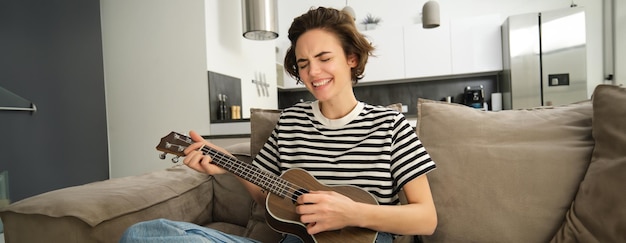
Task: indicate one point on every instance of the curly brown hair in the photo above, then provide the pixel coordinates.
(334, 21)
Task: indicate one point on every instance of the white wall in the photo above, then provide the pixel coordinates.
(620, 41)
(231, 54)
(155, 76)
(408, 12)
(156, 57)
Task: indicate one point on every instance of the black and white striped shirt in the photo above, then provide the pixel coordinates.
(373, 147)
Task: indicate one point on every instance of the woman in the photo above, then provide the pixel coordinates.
(338, 140)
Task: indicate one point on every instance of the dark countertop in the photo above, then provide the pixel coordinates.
(226, 136)
(230, 121)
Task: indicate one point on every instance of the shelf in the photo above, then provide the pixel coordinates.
(10, 101)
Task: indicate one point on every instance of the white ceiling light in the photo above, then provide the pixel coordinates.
(349, 10)
(430, 15)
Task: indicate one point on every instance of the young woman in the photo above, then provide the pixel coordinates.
(337, 139)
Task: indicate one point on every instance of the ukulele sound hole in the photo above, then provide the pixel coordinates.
(298, 193)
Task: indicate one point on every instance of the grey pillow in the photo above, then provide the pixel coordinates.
(505, 176)
(598, 213)
(262, 123)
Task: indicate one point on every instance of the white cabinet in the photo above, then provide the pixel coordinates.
(476, 44)
(460, 46)
(285, 81)
(427, 51)
(387, 62)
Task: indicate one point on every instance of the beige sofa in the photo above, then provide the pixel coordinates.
(550, 174)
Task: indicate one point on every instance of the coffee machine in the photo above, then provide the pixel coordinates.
(474, 96)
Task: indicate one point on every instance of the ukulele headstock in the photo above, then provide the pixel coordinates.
(174, 143)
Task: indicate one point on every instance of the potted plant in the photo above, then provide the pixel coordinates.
(370, 21)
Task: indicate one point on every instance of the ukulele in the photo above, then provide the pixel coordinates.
(284, 190)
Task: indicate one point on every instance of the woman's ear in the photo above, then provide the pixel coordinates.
(353, 60)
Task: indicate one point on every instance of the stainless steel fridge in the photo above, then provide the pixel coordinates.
(544, 59)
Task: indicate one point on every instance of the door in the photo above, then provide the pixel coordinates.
(564, 55)
(522, 80)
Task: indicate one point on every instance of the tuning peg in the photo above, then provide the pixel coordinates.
(162, 156)
(175, 159)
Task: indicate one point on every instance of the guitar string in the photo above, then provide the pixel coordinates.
(292, 188)
(286, 184)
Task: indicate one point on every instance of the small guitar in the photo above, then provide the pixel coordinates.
(284, 191)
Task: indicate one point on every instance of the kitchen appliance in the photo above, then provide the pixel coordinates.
(544, 59)
(474, 96)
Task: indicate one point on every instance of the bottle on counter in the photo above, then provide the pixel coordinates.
(223, 110)
(220, 102)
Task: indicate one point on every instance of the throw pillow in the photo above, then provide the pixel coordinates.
(262, 123)
(598, 213)
(507, 176)
(396, 106)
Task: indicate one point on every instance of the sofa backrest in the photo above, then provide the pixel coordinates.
(507, 176)
(262, 123)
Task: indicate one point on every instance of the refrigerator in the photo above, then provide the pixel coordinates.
(544, 59)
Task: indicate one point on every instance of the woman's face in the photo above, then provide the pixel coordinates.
(323, 66)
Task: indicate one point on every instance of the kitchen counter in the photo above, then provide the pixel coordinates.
(230, 127)
(225, 136)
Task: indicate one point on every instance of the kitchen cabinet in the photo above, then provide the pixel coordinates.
(387, 63)
(459, 46)
(285, 81)
(427, 51)
(476, 44)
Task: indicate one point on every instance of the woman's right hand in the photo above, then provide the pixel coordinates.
(198, 161)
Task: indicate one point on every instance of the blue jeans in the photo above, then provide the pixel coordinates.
(168, 231)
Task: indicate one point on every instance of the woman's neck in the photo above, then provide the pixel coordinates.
(338, 109)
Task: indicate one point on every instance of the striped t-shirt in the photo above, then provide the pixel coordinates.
(373, 147)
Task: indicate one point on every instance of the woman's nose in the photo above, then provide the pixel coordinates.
(313, 68)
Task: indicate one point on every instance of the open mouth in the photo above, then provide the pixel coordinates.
(321, 82)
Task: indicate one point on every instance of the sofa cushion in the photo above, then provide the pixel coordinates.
(97, 202)
(231, 201)
(239, 150)
(505, 176)
(258, 228)
(262, 123)
(598, 213)
(234, 209)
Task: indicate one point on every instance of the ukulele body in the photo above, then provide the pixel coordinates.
(283, 217)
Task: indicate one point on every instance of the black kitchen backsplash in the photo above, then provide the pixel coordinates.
(406, 93)
(220, 84)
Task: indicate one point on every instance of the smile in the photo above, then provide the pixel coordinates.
(320, 83)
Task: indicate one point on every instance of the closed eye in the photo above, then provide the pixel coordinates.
(321, 56)
(302, 63)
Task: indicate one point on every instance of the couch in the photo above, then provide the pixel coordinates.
(548, 174)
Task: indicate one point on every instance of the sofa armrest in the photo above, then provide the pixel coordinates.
(101, 211)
